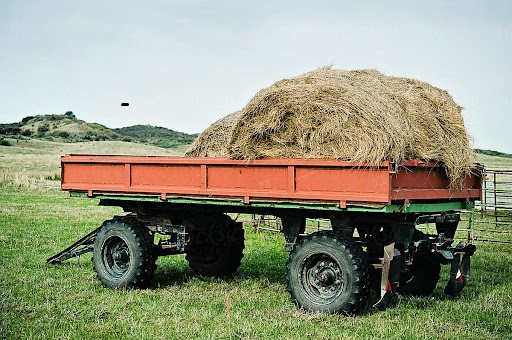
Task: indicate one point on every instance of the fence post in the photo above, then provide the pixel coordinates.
(483, 210)
(495, 200)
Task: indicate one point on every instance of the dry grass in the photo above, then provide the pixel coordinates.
(29, 162)
(361, 116)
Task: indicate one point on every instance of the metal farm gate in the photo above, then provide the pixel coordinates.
(492, 220)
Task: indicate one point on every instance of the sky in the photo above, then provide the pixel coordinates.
(183, 64)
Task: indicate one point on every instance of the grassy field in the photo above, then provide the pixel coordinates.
(29, 162)
(493, 162)
(65, 301)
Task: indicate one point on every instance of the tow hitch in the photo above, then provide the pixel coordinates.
(82, 246)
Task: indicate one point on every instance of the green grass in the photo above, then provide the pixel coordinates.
(66, 301)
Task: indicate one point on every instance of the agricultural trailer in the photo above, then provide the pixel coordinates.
(374, 211)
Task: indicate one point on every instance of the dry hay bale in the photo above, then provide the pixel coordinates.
(322, 114)
(361, 116)
(212, 142)
(438, 131)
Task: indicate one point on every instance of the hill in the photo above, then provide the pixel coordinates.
(156, 135)
(67, 128)
(493, 153)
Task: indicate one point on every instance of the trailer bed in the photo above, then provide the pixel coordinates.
(304, 181)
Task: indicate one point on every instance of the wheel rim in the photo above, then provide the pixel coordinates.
(322, 278)
(116, 256)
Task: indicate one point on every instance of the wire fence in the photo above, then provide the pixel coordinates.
(469, 229)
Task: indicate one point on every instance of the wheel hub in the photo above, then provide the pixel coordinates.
(327, 277)
(324, 278)
(116, 257)
(121, 255)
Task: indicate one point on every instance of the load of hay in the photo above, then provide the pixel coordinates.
(213, 141)
(362, 116)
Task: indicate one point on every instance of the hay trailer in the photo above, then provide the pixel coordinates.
(374, 212)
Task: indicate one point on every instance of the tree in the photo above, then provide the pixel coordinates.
(70, 114)
(26, 119)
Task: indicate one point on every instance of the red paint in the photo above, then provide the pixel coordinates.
(291, 179)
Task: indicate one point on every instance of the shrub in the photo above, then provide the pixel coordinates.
(10, 129)
(63, 134)
(5, 142)
(60, 134)
(43, 128)
(55, 177)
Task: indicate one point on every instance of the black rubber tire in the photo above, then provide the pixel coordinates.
(422, 278)
(327, 273)
(123, 254)
(217, 245)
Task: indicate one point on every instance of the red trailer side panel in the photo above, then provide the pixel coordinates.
(288, 179)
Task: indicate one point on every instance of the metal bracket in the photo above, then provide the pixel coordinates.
(442, 218)
(292, 228)
(178, 240)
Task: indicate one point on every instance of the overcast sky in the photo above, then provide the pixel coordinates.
(184, 64)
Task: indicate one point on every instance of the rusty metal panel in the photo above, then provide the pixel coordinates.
(91, 174)
(347, 180)
(428, 181)
(160, 175)
(283, 179)
(421, 177)
(249, 178)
